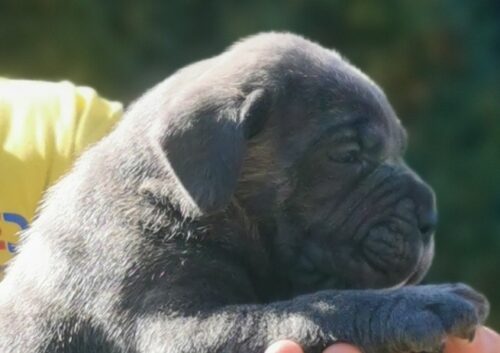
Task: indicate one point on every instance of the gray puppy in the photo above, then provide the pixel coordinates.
(257, 195)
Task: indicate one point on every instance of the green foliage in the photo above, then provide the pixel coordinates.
(437, 60)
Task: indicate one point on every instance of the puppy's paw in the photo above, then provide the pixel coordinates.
(418, 319)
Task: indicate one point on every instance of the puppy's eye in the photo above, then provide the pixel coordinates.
(351, 154)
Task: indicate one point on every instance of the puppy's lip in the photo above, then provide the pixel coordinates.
(416, 276)
(424, 262)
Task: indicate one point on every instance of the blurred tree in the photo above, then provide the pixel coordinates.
(437, 60)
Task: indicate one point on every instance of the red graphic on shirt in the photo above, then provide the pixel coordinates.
(2, 245)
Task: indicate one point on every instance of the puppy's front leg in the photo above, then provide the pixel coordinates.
(411, 319)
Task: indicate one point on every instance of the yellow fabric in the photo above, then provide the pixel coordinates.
(44, 126)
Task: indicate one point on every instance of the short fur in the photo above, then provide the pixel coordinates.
(254, 196)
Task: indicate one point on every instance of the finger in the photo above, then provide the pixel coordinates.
(342, 348)
(284, 346)
(485, 341)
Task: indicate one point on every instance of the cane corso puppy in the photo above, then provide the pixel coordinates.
(254, 196)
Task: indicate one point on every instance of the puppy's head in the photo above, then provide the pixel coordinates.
(312, 150)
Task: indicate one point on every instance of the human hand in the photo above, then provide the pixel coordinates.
(485, 341)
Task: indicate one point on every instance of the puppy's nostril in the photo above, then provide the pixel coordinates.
(427, 222)
(425, 202)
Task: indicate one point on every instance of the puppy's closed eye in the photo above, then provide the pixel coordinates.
(349, 152)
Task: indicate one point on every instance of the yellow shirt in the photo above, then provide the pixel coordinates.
(44, 126)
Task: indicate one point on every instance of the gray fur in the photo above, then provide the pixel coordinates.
(254, 196)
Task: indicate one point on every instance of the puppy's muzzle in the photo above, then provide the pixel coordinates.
(399, 237)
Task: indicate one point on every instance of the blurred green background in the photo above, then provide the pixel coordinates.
(439, 62)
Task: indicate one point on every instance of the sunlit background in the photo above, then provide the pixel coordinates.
(439, 62)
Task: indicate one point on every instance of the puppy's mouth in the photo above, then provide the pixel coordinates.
(388, 245)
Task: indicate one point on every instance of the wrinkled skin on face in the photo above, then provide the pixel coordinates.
(346, 210)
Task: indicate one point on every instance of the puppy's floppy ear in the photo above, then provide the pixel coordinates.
(205, 144)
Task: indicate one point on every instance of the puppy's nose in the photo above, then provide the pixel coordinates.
(426, 210)
(427, 220)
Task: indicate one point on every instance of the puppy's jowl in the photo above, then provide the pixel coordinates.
(254, 196)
